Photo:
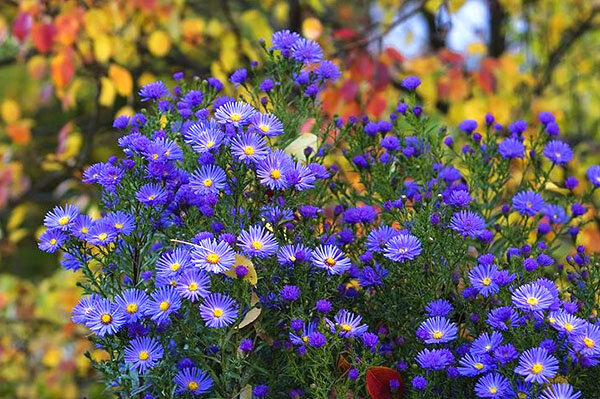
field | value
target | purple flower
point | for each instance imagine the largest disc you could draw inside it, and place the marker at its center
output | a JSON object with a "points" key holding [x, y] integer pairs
{"points": [[153, 91], [61, 218], [105, 318], [558, 152], [403, 247], [468, 126], [306, 51], [193, 380], [218, 311], [593, 175], [143, 353], [330, 258], [239, 76], [439, 330], [410, 83], [290, 293], [485, 279], [536, 365], [213, 256], [347, 324], [511, 148], [165, 301], [467, 223], [528, 202]]}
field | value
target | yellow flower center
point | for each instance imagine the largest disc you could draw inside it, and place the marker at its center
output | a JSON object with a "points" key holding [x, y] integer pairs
{"points": [[193, 287], [248, 150], [275, 174], [63, 220], [131, 308], [192, 385], [478, 366], [118, 226], [589, 342], [486, 281], [208, 182], [402, 251], [257, 245], [437, 334], [84, 230], [143, 355], [236, 117], [164, 305], [305, 338], [551, 320], [151, 197], [167, 153], [154, 156], [218, 312], [532, 301], [213, 258], [522, 395], [488, 347], [264, 128], [346, 327], [330, 262], [210, 144], [493, 390], [568, 326], [53, 241], [102, 236], [173, 283], [292, 258], [106, 318], [175, 266], [537, 368]]}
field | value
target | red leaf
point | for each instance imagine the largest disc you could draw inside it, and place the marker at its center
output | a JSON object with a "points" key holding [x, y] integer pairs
{"points": [[349, 90], [42, 36], [450, 57], [344, 34], [394, 54], [382, 76], [378, 383], [376, 105], [22, 25]]}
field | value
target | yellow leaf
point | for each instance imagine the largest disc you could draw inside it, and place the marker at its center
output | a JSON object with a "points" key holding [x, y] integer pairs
{"points": [[37, 66], [477, 48], [241, 260], [159, 43], [17, 235], [96, 21], [312, 28], [146, 78], [126, 110], [107, 92], [214, 28], [51, 357], [102, 48], [296, 147], [121, 79], [10, 110], [246, 392], [256, 24], [16, 217], [252, 314], [192, 29]]}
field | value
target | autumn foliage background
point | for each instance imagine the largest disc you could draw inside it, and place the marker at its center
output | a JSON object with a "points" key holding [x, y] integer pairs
{"points": [[68, 68]]}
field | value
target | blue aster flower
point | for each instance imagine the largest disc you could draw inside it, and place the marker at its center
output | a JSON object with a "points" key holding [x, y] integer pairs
{"points": [[81, 227], [122, 222], [347, 324], [271, 171], [307, 330], [143, 353], [410, 83], [528, 202], [237, 113], [267, 124], [586, 340], [164, 302], [486, 343], [82, 312], [560, 391], [566, 322], [537, 365], [105, 318], [173, 263], [218, 310], [439, 307], [379, 237], [61, 218], [439, 330], [132, 303], [249, 148], [327, 70], [511, 148], [213, 256], [472, 365], [193, 380], [306, 51], [467, 223], [284, 40], [299, 176], [485, 279], [493, 385], [504, 318], [532, 297], [101, 233], [51, 240], [505, 353], [558, 152], [153, 91], [434, 359], [555, 213], [593, 175], [193, 285], [209, 179], [256, 241], [403, 247], [330, 258], [290, 255], [152, 194]]}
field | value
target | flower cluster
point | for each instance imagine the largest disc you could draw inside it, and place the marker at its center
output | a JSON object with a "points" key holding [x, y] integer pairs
{"points": [[234, 259]]}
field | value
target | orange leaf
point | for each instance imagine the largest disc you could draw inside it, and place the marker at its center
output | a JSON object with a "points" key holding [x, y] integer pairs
{"points": [[378, 383], [42, 36], [376, 106], [63, 68]]}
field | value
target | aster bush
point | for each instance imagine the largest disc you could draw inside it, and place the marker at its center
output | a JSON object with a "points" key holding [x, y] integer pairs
{"points": [[231, 260]]}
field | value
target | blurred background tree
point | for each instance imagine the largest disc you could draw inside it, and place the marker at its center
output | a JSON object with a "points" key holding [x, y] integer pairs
{"points": [[67, 68]]}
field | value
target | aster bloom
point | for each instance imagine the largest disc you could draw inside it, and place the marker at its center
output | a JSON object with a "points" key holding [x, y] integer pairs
{"points": [[152, 194], [237, 113], [267, 124], [511, 148], [163, 150], [249, 148], [467, 223], [153, 91], [306, 51], [132, 303], [51, 240], [472, 365], [218, 310], [528, 202], [330, 258], [105, 318], [537, 365], [484, 279], [327, 70], [257, 241], [173, 263], [532, 297], [503, 318], [493, 385], [555, 213], [593, 175], [164, 302], [284, 40], [81, 226], [566, 322], [61, 218], [122, 222], [289, 255], [403, 247], [439, 307], [299, 176], [379, 237], [213, 256], [558, 152], [434, 359], [193, 380], [101, 233], [560, 391], [348, 324], [307, 330], [586, 340], [410, 83], [209, 179], [143, 353], [82, 312], [271, 171], [193, 285], [439, 330], [205, 140], [486, 343]]}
